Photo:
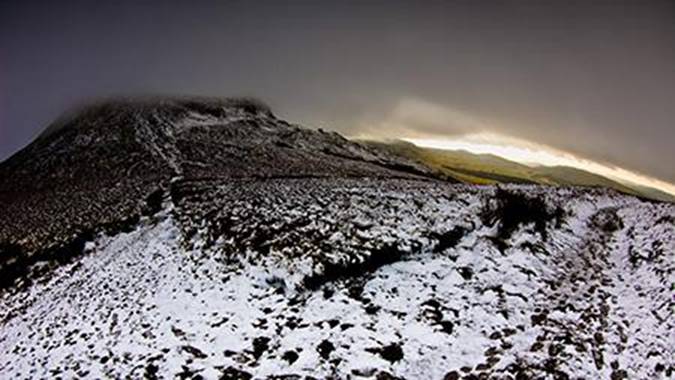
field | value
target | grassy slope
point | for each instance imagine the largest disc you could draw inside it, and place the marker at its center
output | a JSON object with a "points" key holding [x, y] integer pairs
{"points": [[565, 175], [490, 169], [652, 193]]}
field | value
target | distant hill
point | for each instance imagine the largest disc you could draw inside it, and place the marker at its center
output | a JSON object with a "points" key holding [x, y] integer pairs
{"points": [[491, 169], [566, 175], [653, 193]]}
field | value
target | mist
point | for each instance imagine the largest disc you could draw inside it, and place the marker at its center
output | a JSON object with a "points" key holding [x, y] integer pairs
{"points": [[596, 79]]}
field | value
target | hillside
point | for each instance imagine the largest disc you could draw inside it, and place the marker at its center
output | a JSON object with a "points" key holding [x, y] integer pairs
{"points": [[207, 239], [103, 166]]}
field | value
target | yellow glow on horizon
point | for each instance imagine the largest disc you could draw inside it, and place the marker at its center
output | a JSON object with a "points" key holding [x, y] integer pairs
{"points": [[532, 154]]}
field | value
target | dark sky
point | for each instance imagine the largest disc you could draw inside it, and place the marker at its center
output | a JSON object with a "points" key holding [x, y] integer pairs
{"points": [[591, 77]]}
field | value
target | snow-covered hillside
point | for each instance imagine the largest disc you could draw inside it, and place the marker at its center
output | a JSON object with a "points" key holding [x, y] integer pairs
{"points": [[359, 279], [103, 166]]}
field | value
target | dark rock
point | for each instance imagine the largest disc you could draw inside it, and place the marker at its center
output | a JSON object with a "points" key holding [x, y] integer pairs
{"points": [[619, 374], [465, 272], [391, 352], [383, 375], [372, 309], [555, 349], [448, 239], [232, 373], [447, 327], [151, 371], [260, 345], [290, 356], [366, 372], [194, 351], [154, 202], [325, 348], [538, 319]]}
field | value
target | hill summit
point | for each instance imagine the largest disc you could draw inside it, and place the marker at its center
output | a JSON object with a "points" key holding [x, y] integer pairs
{"points": [[101, 165]]}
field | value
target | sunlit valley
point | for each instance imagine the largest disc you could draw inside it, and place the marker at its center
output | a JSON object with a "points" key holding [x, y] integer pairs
{"points": [[489, 159]]}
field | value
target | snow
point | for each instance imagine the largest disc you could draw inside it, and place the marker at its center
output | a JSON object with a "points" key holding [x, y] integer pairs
{"points": [[155, 301]]}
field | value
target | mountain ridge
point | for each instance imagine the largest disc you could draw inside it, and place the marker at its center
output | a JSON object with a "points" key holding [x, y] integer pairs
{"points": [[475, 168]]}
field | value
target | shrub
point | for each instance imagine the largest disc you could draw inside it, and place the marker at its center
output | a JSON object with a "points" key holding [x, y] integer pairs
{"points": [[512, 209]]}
